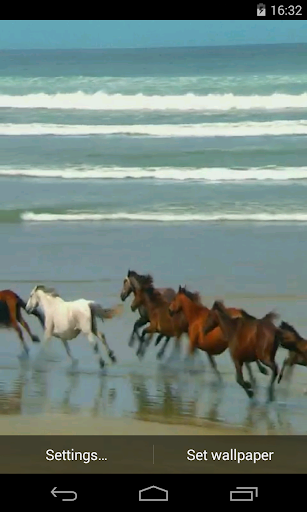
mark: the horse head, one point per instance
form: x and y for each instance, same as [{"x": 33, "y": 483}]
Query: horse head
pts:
[
  {"x": 127, "y": 288},
  {"x": 176, "y": 304}
]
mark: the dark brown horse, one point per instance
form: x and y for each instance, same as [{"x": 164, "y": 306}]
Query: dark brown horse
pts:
[
  {"x": 132, "y": 283},
  {"x": 157, "y": 308},
  {"x": 249, "y": 339},
  {"x": 10, "y": 316},
  {"x": 295, "y": 344},
  {"x": 214, "y": 343}
]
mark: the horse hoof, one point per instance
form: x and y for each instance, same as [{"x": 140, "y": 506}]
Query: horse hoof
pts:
[
  {"x": 36, "y": 339},
  {"x": 248, "y": 385},
  {"x": 271, "y": 396},
  {"x": 250, "y": 393},
  {"x": 101, "y": 363},
  {"x": 112, "y": 357},
  {"x": 140, "y": 354},
  {"x": 159, "y": 355}
]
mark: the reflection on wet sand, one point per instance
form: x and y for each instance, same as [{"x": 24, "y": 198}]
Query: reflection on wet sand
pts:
[
  {"x": 165, "y": 402},
  {"x": 168, "y": 402},
  {"x": 164, "y": 396},
  {"x": 11, "y": 401},
  {"x": 66, "y": 406},
  {"x": 104, "y": 399},
  {"x": 267, "y": 420}
]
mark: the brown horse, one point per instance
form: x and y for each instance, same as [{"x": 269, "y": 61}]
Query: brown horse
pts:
[
  {"x": 214, "y": 343},
  {"x": 249, "y": 339},
  {"x": 157, "y": 308},
  {"x": 295, "y": 344},
  {"x": 134, "y": 282},
  {"x": 10, "y": 316}
]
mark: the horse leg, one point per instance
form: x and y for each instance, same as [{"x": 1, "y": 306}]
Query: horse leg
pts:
[
  {"x": 145, "y": 343},
  {"x": 20, "y": 336},
  {"x": 73, "y": 360},
  {"x": 142, "y": 341},
  {"x": 139, "y": 323},
  {"x": 160, "y": 354},
  {"x": 287, "y": 362},
  {"x": 24, "y": 324},
  {"x": 14, "y": 325},
  {"x": 214, "y": 366},
  {"x": 94, "y": 344},
  {"x": 274, "y": 368},
  {"x": 251, "y": 375},
  {"x": 176, "y": 349},
  {"x": 191, "y": 349},
  {"x": 271, "y": 364},
  {"x": 261, "y": 368},
  {"x": 159, "y": 338},
  {"x": 47, "y": 334},
  {"x": 240, "y": 380},
  {"x": 110, "y": 352}
]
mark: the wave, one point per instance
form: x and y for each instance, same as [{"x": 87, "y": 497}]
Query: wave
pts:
[
  {"x": 103, "y": 101},
  {"x": 241, "y": 129},
  {"x": 164, "y": 217},
  {"x": 158, "y": 85},
  {"x": 209, "y": 175}
]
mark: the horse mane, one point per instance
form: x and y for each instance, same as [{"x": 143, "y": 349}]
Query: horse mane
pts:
[
  {"x": 220, "y": 306},
  {"x": 287, "y": 327},
  {"x": 271, "y": 316},
  {"x": 48, "y": 291},
  {"x": 144, "y": 281},
  {"x": 246, "y": 315},
  {"x": 193, "y": 296},
  {"x": 154, "y": 295}
]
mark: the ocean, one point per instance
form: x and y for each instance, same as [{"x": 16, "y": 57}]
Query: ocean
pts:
[{"x": 186, "y": 163}]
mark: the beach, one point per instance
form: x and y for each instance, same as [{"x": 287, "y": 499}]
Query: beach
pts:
[{"x": 165, "y": 395}]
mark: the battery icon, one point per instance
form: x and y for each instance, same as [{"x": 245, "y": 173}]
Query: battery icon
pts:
[{"x": 261, "y": 10}]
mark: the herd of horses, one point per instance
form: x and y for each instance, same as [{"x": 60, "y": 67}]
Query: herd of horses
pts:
[
  {"x": 169, "y": 314},
  {"x": 249, "y": 339}
]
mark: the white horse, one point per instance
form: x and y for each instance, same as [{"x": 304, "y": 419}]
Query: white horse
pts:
[{"x": 66, "y": 320}]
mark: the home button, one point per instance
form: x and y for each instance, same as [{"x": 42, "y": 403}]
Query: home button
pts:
[{"x": 153, "y": 493}]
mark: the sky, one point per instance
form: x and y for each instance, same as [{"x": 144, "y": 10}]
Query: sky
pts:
[{"x": 66, "y": 34}]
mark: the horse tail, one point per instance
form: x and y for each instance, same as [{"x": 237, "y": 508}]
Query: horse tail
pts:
[
  {"x": 20, "y": 304},
  {"x": 104, "y": 313}
]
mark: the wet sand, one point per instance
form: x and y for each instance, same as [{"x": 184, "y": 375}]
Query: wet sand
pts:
[
  {"x": 150, "y": 397},
  {"x": 58, "y": 424}
]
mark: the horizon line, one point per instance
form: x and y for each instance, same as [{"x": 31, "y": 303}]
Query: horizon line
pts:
[{"x": 238, "y": 45}]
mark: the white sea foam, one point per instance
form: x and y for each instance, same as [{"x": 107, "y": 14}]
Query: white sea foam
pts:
[
  {"x": 242, "y": 129},
  {"x": 209, "y": 175},
  {"x": 164, "y": 217},
  {"x": 190, "y": 101}
]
